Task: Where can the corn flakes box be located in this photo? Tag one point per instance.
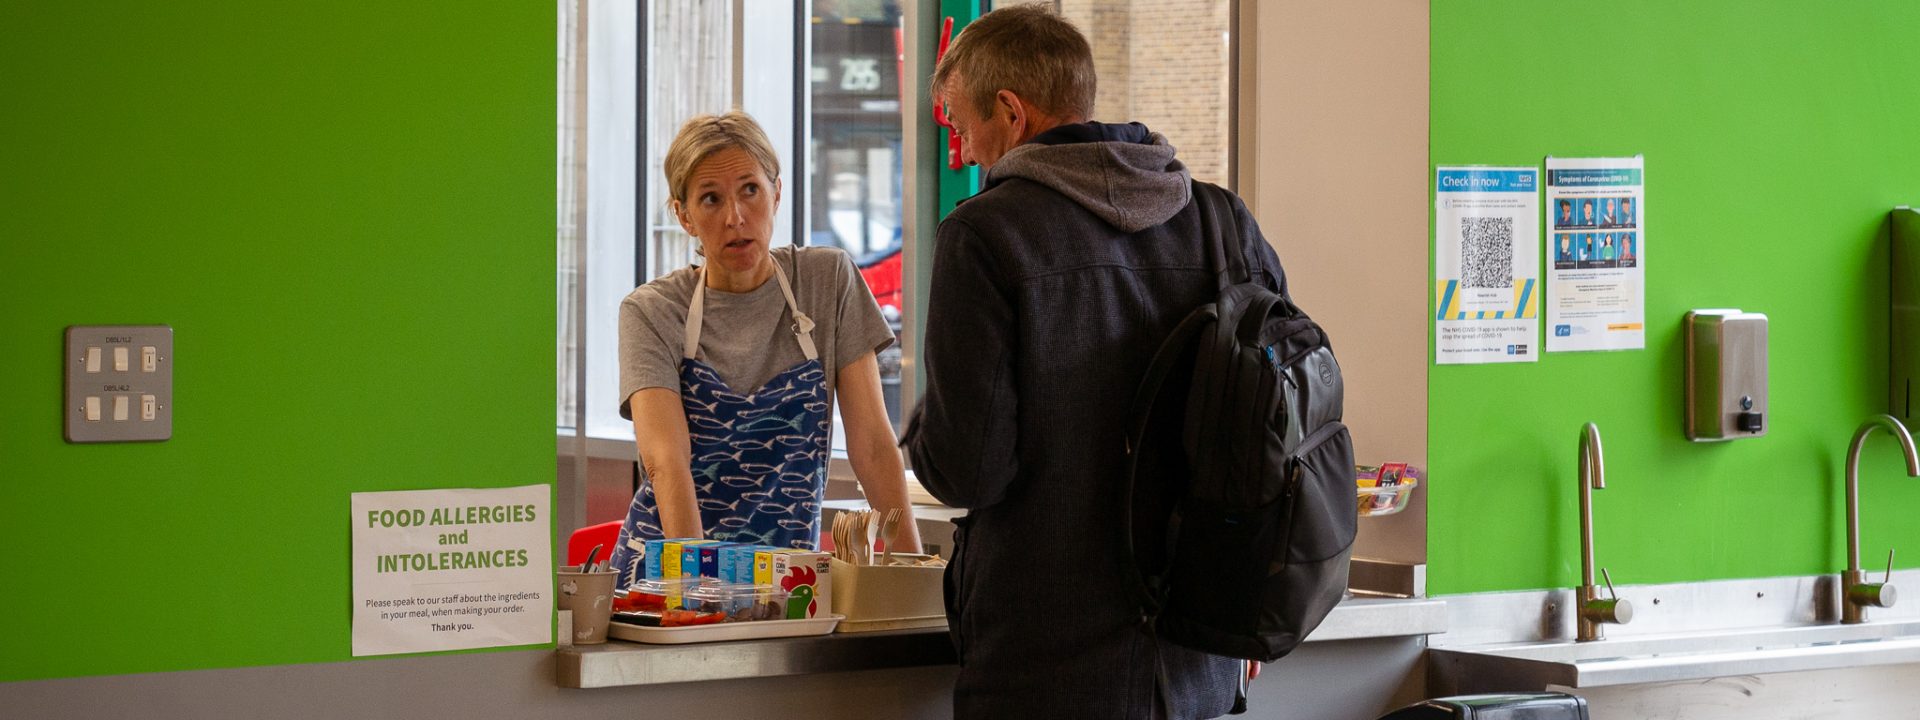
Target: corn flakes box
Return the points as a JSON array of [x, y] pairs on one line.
[[807, 577]]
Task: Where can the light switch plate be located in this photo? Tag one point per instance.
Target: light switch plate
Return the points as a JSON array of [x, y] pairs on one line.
[[105, 383]]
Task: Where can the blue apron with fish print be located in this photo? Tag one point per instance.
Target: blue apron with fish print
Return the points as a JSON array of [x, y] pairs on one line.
[[759, 459]]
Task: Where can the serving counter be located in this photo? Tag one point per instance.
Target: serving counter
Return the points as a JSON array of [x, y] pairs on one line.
[[618, 663]]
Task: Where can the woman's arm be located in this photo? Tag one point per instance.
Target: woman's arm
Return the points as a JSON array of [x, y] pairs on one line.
[[871, 447], [660, 434]]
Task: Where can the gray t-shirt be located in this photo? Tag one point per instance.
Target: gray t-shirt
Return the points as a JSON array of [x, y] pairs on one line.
[[748, 337]]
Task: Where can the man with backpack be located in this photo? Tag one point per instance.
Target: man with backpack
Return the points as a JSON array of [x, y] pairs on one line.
[[1053, 289]]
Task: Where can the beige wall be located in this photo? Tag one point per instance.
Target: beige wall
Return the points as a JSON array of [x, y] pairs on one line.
[[1333, 138]]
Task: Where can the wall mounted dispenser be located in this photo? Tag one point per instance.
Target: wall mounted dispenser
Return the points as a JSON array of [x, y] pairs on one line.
[[1903, 333], [1726, 375]]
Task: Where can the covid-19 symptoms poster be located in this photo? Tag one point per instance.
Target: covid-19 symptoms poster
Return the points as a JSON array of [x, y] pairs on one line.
[[1597, 254]]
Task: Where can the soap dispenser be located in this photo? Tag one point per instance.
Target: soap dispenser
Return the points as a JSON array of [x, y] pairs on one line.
[[1903, 333], [1726, 375]]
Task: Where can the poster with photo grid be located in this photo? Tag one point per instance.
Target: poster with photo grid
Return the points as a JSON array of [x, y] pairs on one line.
[[1596, 254]]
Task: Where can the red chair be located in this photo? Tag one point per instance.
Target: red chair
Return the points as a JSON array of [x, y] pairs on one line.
[[583, 540]]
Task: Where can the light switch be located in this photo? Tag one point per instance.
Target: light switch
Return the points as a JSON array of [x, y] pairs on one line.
[[119, 383]]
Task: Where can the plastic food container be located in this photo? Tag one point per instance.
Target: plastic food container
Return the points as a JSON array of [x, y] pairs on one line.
[[654, 595], [1385, 489], [738, 602], [684, 618]]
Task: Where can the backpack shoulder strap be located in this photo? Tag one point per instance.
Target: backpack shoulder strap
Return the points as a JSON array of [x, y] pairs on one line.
[[1177, 344], [1221, 233]]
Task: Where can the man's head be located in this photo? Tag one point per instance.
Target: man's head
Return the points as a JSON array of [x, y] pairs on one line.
[[1586, 211], [1566, 210], [1566, 243], [1012, 74], [1626, 209]]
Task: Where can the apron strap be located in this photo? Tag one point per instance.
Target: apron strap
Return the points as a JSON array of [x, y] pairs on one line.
[[802, 325], [695, 314]]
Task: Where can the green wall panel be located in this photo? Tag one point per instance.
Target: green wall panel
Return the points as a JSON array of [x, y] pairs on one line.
[[1777, 137], [345, 212]]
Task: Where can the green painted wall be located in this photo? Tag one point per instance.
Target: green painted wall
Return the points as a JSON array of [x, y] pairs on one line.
[[1777, 137], [345, 212]]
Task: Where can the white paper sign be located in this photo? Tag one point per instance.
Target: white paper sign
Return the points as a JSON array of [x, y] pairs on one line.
[[451, 569], [1486, 270], [1597, 248]]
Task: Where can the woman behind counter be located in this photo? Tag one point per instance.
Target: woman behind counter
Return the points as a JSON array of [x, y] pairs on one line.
[[729, 369]]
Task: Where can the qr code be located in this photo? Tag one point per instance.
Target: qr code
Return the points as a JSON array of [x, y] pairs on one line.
[[1486, 252]]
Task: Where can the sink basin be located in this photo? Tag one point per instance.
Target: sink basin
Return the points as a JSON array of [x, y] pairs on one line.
[[1667, 658]]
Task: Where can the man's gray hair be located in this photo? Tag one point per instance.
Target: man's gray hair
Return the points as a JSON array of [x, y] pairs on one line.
[[1028, 49]]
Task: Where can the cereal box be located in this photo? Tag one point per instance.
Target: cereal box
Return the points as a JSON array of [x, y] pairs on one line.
[[808, 578], [736, 562], [655, 549], [690, 557], [710, 558], [763, 563]]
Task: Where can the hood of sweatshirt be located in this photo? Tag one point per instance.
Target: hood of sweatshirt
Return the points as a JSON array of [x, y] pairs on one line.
[[1124, 174]]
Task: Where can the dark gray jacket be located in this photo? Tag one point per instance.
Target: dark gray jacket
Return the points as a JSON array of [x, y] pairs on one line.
[[1052, 288]]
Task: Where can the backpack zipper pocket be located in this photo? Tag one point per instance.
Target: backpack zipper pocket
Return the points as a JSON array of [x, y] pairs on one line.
[[1310, 442]]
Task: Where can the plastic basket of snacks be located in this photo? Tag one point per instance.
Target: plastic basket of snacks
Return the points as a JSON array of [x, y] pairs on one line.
[[1385, 489]]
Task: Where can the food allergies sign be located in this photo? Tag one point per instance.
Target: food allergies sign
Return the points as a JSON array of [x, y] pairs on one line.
[[451, 570]]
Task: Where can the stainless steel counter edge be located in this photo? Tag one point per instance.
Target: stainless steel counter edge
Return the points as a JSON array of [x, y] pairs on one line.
[[1677, 658], [618, 663], [1364, 618], [1494, 618], [1508, 641]]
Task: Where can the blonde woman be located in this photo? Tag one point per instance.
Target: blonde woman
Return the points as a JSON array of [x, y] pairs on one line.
[[730, 368]]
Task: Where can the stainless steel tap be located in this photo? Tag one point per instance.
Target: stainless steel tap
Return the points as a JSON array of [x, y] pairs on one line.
[[1857, 594], [1594, 611]]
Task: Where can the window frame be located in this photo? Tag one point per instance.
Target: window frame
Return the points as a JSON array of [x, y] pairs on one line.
[[928, 193]]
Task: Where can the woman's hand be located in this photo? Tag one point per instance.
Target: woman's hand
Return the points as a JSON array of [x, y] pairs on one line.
[[660, 435], [871, 446]]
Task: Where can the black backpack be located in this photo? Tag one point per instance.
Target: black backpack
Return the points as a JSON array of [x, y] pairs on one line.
[[1241, 541]]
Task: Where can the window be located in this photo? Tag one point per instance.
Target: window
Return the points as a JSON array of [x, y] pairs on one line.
[[596, 180], [856, 161], [825, 78], [1167, 64], [631, 73], [570, 161]]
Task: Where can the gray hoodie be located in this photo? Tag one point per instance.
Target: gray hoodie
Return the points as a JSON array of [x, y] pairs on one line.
[[1131, 185]]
